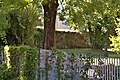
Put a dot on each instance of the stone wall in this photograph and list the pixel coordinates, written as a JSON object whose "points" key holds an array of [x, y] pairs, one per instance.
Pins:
{"points": [[72, 40], [67, 40]]}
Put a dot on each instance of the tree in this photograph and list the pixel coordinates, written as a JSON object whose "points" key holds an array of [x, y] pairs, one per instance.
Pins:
{"points": [[5, 7], [98, 17], [50, 12], [3, 24], [22, 18], [22, 25], [116, 39]]}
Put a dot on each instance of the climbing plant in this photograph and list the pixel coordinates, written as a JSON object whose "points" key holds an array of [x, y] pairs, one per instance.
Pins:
{"points": [[20, 63]]}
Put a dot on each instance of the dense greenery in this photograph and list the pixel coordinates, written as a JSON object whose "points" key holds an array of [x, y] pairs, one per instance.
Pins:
{"points": [[20, 64], [19, 21], [69, 65], [97, 17], [116, 41]]}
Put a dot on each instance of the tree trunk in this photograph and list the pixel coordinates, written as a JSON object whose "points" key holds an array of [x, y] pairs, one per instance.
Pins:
{"points": [[50, 12]]}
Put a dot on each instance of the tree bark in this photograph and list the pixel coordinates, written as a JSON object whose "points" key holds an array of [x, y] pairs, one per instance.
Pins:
{"points": [[50, 12]]}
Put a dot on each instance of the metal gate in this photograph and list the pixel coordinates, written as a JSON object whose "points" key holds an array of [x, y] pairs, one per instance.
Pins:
{"points": [[109, 70]]}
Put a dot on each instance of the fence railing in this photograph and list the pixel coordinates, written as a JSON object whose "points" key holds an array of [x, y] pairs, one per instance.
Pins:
{"points": [[110, 69], [75, 66]]}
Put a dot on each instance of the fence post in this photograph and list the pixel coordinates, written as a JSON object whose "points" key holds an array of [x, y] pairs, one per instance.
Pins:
{"points": [[45, 57]]}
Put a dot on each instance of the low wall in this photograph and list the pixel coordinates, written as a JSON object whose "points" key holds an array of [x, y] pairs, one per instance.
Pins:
{"points": [[67, 40], [72, 40]]}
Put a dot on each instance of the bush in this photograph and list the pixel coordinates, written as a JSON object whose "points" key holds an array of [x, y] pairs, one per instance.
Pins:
{"points": [[5, 72], [21, 64], [116, 41]]}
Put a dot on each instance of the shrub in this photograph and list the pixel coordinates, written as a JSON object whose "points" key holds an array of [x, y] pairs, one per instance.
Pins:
{"points": [[22, 62], [116, 41]]}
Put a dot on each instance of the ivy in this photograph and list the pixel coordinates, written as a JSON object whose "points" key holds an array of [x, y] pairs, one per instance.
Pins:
{"points": [[68, 66], [23, 63]]}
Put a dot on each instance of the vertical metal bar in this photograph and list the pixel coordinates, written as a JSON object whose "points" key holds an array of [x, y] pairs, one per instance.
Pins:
{"points": [[106, 73], [113, 61], [117, 68], [95, 61], [108, 69], [114, 69], [105, 70], [109, 75]]}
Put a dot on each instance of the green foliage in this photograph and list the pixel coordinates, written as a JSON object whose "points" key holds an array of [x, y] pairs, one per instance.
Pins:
{"points": [[70, 65], [38, 38], [116, 41], [22, 24], [19, 20], [44, 2], [6, 73], [96, 16], [23, 61], [3, 23], [11, 4]]}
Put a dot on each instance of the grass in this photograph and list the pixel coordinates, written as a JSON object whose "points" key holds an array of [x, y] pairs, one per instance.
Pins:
{"points": [[92, 52]]}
